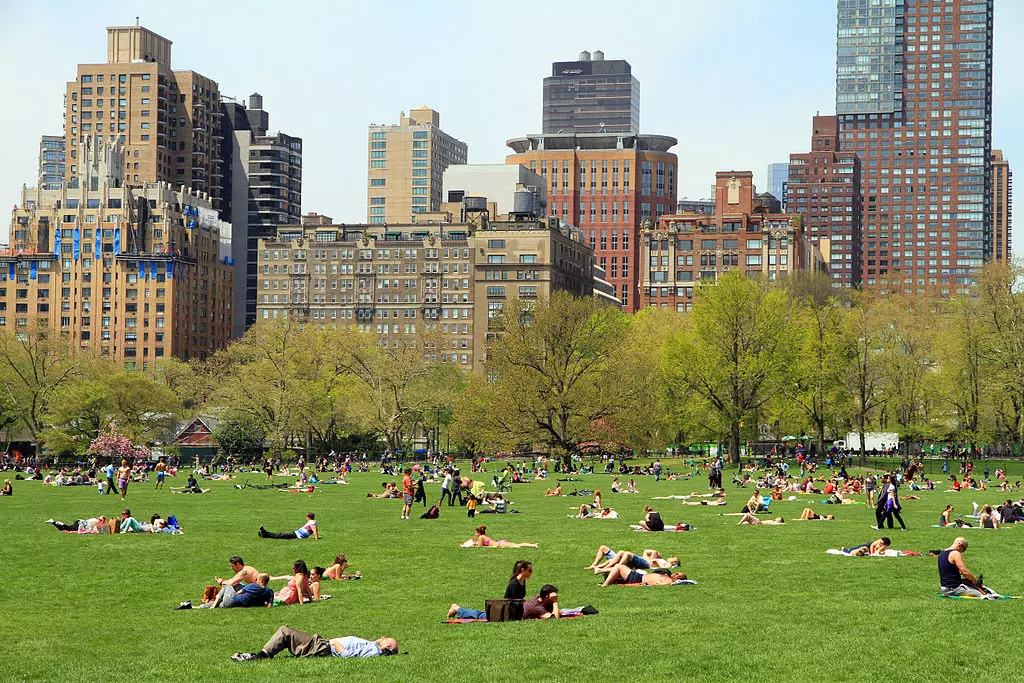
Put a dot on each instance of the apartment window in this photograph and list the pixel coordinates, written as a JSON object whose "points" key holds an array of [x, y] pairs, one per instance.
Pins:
{"points": [[377, 182], [495, 244]]}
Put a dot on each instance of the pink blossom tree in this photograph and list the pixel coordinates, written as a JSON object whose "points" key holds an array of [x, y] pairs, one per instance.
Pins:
{"points": [[115, 445]]}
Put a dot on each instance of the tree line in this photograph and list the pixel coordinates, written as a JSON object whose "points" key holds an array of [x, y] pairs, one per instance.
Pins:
{"points": [[753, 360]]}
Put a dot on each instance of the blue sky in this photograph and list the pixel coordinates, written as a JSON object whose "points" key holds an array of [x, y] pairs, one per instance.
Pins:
{"points": [[736, 82]]}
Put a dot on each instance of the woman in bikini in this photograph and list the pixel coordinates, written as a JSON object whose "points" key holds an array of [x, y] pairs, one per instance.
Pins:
{"points": [[337, 568], [482, 540]]}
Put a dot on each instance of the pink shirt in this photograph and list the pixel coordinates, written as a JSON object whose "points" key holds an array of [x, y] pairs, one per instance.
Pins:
{"points": [[289, 595]]}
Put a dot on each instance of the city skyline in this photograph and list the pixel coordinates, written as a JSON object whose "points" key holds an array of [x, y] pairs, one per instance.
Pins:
{"points": [[687, 87]]}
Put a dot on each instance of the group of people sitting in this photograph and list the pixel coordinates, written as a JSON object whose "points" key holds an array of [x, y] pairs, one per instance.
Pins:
{"points": [[249, 587], [126, 524]]}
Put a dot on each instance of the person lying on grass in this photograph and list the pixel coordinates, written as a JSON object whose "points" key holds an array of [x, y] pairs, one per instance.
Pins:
{"points": [[254, 594], [297, 590], [336, 570], [748, 518], [305, 531], [92, 525], [623, 574], [810, 515], [650, 559], [876, 547], [302, 644], [482, 540], [954, 577]]}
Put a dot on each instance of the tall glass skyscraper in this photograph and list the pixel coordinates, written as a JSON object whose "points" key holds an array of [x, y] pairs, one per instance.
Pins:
{"points": [[914, 101], [591, 95], [778, 178]]}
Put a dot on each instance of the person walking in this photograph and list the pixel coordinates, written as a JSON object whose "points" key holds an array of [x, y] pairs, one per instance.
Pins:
{"points": [[446, 487], [109, 470]]}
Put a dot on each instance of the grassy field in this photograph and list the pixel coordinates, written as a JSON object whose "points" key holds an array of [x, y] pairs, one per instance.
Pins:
{"points": [[770, 604]]}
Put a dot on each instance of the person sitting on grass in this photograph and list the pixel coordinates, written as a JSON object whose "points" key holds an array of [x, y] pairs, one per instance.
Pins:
{"points": [[482, 540], [954, 577], [875, 548], [515, 591], [305, 531], [191, 486], [652, 520], [754, 504], [748, 518], [302, 644], [615, 485], [631, 486], [557, 491], [297, 590], [390, 491], [623, 574], [987, 519], [810, 515], [93, 525], [945, 516], [315, 574], [8, 489], [243, 573]]}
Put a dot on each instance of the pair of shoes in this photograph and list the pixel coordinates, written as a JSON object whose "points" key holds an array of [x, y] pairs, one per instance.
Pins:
{"points": [[261, 533], [49, 521], [185, 605], [874, 527], [247, 656]]}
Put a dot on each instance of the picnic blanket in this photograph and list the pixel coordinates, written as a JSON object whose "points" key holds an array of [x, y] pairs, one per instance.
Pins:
{"points": [[673, 527], [972, 597], [679, 582], [565, 615], [888, 553]]}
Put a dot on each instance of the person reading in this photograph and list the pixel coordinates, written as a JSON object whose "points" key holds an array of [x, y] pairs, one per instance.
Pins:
{"points": [[954, 577]]}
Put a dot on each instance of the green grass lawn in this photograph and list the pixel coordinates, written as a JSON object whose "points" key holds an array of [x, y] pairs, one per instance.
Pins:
{"points": [[770, 603]]}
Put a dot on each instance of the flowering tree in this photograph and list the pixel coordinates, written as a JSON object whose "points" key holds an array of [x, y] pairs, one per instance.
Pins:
{"points": [[116, 445]]}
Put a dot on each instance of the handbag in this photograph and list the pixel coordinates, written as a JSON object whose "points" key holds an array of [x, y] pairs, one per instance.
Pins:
{"points": [[503, 610]]}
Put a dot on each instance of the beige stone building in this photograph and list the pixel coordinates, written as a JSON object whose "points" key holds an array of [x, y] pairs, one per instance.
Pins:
{"points": [[451, 277], [405, 166], [1002, 207], [136, 272], [168, 121]]}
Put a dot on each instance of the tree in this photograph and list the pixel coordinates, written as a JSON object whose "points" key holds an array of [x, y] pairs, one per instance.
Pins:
{"points": [[550, 371], [734, 351], [116, 446], [821, 365], [33, 365], [865, 381], [963, 352], [239, 435], [1002, 307]]}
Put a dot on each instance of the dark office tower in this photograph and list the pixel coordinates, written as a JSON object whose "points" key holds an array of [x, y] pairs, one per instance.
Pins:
{"points": [[592, 95], [914, 101], [262, 190], [824, 188]]}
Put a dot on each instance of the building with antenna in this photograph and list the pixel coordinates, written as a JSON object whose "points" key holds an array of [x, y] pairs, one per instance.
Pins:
{"points": [[591, 95]]}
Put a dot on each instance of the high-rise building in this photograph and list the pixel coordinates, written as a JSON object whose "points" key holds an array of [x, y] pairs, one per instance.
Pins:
{"points": [[138, 272], [743, 235], [167, 121], [406, 164], [914, 101], [262, 189], [824, 187], [778, 178], [607, 185], [591, 95], [1002, 206], [400, 280], [51, 162]]}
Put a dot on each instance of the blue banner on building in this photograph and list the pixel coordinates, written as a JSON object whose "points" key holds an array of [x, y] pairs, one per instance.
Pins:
{"points": [[98, 254], [170, 270], [152, 269], [56, 242], [32, 270], [76, 243], [117, 241], [12, 272], [142, 270]]}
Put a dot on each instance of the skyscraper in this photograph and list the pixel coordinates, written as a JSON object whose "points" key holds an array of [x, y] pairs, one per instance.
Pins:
{"points": [[406, 164], [1002, 206], [167, 121], [52, 158], [262, 189], [778, 178], [591, 95], [607, 185], [914, 101]]}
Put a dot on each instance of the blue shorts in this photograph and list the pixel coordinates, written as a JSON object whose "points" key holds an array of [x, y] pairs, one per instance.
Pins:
{"points": [[638, 563], [634, 577], [160, 476]]}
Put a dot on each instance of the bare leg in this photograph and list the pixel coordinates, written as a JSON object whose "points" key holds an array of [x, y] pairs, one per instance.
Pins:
{"points": [[617, 574], [598, 557]]}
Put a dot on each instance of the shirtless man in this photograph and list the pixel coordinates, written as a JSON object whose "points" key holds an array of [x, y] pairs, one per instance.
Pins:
{"points": [[243, 573], [623, 574], [650, 559], [124, 475], [748, 518], [876, 547], [161, 472]]}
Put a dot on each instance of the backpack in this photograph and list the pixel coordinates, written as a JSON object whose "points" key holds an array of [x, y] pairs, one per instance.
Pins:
{"points": [[432, 513]]}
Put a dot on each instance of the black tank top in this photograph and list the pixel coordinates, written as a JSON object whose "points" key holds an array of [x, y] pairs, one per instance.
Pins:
{"points": [[949, 575]]}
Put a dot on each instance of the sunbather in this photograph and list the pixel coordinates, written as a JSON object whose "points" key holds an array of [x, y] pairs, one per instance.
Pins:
{"points": [[482, 540], [748, 518], [93, 525], [623, 574], [557, 491], [810, 515], [876, 547]]}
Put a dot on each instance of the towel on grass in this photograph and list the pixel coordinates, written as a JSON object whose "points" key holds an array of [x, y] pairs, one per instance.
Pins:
{"points": [[674, 527], [972, 597], [888, 553], [566, 614], [678, 582]]}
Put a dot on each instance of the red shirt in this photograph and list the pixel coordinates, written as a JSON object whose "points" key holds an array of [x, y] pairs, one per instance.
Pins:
{"points": [[407, 484]]}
